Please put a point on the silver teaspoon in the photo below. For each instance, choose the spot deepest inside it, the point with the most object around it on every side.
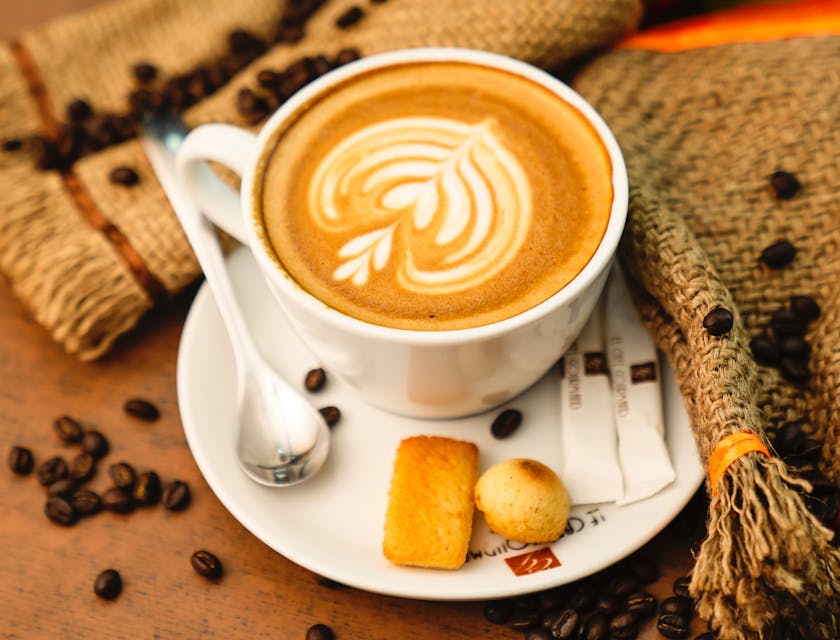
(281, 439)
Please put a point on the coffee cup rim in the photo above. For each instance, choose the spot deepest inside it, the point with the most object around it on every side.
(597, 264)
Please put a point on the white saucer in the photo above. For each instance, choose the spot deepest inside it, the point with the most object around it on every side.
(333, 523)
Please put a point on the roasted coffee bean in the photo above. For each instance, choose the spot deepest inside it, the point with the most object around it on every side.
(805, 307)
(506, 423)
(124, 176)
(319, 632)
(524, 620)
(597, 627)
(785, 322)
(624, 625)
(241, 41)
(147, 489)
(718, 321)
(346, 56)
(644, 569)
(784, 184)
(269, 79)
(315, 380)
(96, 444)
(764, 350)
(643, 604)
(206, 564)
(52, 470)
(565, 624)
(607, 603)
(78, 110)
(108, 584)
(63, 488)
(623, 585)
(82, 467)
(779, 254)
(349, 17)
(583, 597)
(331, 415)
(498, 611)
(60, 511)
(12, 144)
(68, 429)
(145, 72)
(86, 502)
(551, 598)
(176, 495)
(20, 460)
(538, 634)
(45, 154)
(795, 369)
(681, 587)
(122, 475)
(677, 605)
(142, 409)
(117, 500)
(795, 347)
(672, 625)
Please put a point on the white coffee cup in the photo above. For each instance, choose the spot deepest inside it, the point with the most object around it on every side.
(424, 374)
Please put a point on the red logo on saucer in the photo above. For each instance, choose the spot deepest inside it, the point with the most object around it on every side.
(533, 562)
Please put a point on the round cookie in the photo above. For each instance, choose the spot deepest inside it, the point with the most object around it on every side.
(523, 500)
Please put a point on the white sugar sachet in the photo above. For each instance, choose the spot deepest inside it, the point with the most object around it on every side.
(591, 471)
(637, 396)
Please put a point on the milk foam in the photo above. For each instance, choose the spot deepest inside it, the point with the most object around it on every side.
(460, 199)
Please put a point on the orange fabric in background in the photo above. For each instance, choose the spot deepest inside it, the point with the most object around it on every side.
(750, 23)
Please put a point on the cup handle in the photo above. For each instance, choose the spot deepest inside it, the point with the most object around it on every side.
(231, 146)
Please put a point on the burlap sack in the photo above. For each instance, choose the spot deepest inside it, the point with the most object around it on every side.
(88, 257)
(702, 131)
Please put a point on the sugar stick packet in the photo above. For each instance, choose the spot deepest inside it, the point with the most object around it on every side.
(590, 471)
(637, 396)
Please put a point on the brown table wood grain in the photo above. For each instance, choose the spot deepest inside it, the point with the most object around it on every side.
(47, 571)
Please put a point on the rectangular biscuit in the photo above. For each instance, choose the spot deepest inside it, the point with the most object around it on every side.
(430, 503)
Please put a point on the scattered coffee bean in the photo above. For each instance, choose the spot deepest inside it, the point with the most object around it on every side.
(672, 625)
(68, 429)
(565, 624)
(78, 110)
(677, 605)
(779, 254)
(82, 467)
(142, 409)
(795, 347)
(583, 597)
(805, 307)
(176, 495)
(122, 475)
(96, 444)
(315, 380)
(108, 584)
(551, 599)
(764, 350)
(206, 564)
(147, 489)
(785, 322)
(597, 627)
(20, 460)
(623, 585)
(538, 634)
(641, 603)
(785, 184)
(795, 369)
(718, 321)
(624, 625)
(331, 415)
(63, 488)
(52, 470)
(506, 423)
(645, 570)
(124, 176)
(86, 502)
(346, 56)
(498, 611)
(60, 511)
(319, 632)
(607, 603)
(524, 620)
(117, 500)
(12, 144)
(144, 72)
(682, 587)
(349, 17)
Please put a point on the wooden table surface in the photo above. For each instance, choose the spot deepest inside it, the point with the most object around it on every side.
(47, 571)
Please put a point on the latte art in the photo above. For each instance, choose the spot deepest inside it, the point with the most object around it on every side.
(453, 180)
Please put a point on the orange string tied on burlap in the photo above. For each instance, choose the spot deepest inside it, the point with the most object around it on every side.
(728, 450)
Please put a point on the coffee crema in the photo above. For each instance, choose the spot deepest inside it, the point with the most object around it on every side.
(434, 195)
